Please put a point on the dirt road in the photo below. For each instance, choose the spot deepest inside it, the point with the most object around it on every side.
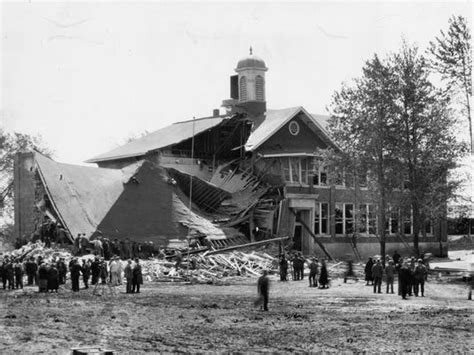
(197, 318)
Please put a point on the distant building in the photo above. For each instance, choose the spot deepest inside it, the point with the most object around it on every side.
(257, 172)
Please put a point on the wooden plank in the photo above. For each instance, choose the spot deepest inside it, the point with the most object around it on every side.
(263, 242)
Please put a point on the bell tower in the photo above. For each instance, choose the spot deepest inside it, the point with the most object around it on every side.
(248, 86)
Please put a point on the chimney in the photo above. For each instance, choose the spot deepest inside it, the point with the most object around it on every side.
(215, 112)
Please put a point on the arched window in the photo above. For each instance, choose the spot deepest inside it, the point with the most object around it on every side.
(243, 88)
(260, 88)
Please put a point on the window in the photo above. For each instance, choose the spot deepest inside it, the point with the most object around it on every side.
(348, 218)
(391, 224)
(321, 218)
(294, 128)
(363, 219)
(243, 88)
(407, 223)
(339, 218)
(428, 227)
(372, 221)
(295, 169)
(318, 171)
(260, 88)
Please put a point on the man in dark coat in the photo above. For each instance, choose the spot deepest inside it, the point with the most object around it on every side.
(404, 275)
(10, 274)
(128, 271)
(103, 271)
(420, 274)
(75, 274)
(377, 273)
(313, 273)
(95, 270)
(368, 272)
(53, 278)
(324, 277)
(137, 277)
(3, 275)
(86, 272)
(62, 271)
(396, 257)
(263, 288)
(18, 271)
(31, 268)
(283, 268)
(43, 277)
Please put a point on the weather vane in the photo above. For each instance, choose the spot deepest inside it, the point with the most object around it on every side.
(250, 50)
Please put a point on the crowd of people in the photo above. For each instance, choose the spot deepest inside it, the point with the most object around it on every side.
(412, 273)
(49, 276)
(296, 263)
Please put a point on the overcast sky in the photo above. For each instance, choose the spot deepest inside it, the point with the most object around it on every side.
(88, 75)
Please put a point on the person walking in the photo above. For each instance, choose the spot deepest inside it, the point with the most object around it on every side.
(263, 288)
(377, 273)
(283, 268)
(137, 277)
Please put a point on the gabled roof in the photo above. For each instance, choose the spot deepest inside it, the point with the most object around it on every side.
(276, 119)
(161, 138)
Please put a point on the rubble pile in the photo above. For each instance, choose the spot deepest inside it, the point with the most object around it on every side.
(38, 249)
(209, 268)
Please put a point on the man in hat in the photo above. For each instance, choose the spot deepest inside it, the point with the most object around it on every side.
(95, 270)
(75, 274)
(263, 288)
(283, 267)
(420, 274)
(129, 275)
(137, 277)
(313, 272)
(86, 272)
(377, 272)
(31, 268)
(404, 276)
(390, 273)
(62, 271)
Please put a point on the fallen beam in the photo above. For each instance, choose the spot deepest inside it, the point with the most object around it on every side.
(262, 242)
(316, 239)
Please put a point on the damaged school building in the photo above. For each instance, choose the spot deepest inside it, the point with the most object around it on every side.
(250, 174)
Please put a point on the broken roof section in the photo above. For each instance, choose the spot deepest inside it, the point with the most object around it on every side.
(161, 138)
(275, 119)
(137, 202)
(81, 195)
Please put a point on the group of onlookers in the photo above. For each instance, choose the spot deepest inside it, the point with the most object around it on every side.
(298, 263)
(412, 274)
(48, 276)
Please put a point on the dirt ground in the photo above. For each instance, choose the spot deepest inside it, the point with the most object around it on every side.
(177, 317)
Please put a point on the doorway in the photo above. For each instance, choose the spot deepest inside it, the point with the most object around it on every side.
(298, 237)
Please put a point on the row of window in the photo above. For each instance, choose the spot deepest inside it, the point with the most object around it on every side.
(344, 218)
(310, 170)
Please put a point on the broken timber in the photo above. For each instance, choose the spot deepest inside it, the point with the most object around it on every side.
(263, 242)
(316, 239)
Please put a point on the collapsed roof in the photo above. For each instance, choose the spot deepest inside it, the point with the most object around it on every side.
(137, 202)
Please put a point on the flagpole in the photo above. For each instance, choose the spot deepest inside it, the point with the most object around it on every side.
(192, 165)
(191, 190)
